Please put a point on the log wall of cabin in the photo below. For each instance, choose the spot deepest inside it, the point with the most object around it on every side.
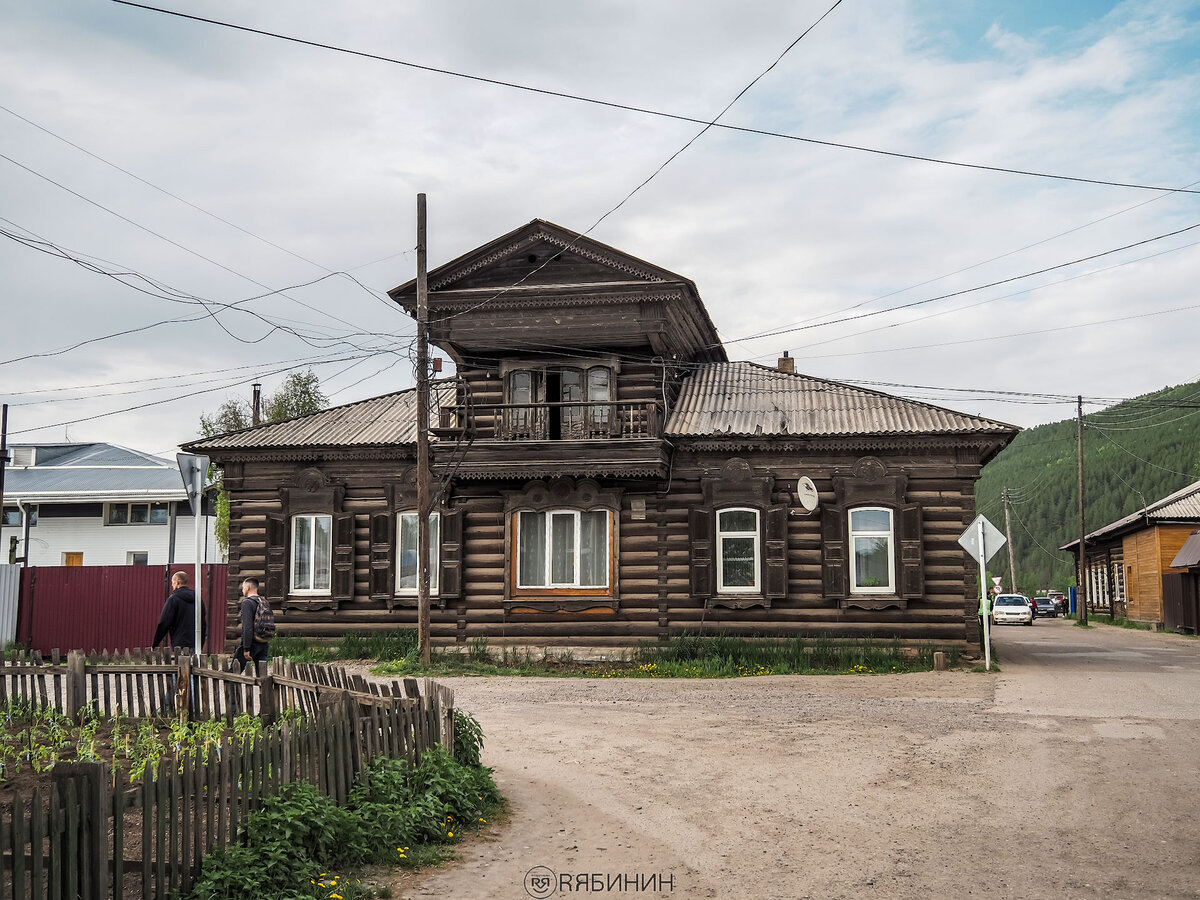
(655, 599)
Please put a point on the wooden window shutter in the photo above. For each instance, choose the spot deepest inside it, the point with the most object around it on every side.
(776, 581)
(383, 574)
(833, 552)
(700, 526)
(343, 556)
(278, 537)
(450, 555)
(912, 554)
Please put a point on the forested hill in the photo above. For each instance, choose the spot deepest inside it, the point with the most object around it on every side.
(1134, 453)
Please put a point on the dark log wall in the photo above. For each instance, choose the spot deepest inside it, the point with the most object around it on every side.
(654, 555)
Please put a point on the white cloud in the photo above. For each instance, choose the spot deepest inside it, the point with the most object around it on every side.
(323, 153)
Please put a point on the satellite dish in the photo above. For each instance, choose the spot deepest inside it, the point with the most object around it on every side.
(806, 493)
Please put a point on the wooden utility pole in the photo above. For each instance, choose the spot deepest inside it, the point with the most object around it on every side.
(424, 479)
(1081, 608)
(1012, 557)
(3, 450)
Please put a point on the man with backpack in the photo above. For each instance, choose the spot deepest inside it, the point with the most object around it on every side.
(258, 627)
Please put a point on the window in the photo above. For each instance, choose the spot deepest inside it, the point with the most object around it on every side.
(137, 558)
(559, 403)
(312, 553)
(563, 549)
(406, 563)
(871, 555)
(737, 551)
(12, 515)
(137, 514)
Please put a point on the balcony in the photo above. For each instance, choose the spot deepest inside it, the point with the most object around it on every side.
(606, 420)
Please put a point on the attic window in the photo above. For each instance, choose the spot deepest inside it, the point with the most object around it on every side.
(531, 258)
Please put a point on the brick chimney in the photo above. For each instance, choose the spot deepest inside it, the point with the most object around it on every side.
(787, 364)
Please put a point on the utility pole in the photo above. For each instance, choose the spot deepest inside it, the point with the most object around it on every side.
(1012, 557)
(3, 451)
(423, 474)
(1081, 599)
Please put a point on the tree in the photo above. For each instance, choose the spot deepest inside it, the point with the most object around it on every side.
(299, 395)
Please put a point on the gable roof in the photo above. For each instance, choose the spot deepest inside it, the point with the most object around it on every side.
(1181, 506)
(93, 472)
(743, 399)
(445, 276)
(387, 420)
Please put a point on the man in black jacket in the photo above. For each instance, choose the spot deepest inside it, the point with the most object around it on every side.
(178, 618)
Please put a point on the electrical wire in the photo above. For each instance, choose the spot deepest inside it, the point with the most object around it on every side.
(650, 112)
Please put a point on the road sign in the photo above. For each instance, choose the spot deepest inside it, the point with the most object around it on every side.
(993, 538)
(194, 469)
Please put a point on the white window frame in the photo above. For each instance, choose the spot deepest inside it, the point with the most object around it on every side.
(548, 516)
(435, 551)
(890, 534)
(756, 541)
(150, 510)
(131, 557)
(23, 512)
(312, 567)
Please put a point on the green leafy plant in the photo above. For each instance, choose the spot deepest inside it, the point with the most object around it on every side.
(468, 738)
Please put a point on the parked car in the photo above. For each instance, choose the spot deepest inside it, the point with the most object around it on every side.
(1060, 600)
(1044, 606)
(1010, 608)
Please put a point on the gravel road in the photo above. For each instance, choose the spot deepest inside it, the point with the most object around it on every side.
(1073, 772)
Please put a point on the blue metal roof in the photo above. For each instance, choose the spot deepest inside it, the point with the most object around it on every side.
(72, 473)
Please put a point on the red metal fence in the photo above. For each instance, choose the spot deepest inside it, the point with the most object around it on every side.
(96, 608)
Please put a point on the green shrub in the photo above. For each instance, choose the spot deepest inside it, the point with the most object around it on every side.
(468, 738)
(237, 871)
(308, 823)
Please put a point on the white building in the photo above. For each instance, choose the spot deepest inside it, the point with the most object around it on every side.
(97, 505)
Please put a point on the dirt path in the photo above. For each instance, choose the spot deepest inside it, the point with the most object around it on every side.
(936, 784)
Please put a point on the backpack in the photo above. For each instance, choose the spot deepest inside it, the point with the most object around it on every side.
(264, 621)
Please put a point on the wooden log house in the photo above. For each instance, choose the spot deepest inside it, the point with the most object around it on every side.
(607, 476)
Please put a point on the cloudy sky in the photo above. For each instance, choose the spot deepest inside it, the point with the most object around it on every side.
(154, 170)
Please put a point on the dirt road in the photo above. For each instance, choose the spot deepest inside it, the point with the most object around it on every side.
(1075, 772)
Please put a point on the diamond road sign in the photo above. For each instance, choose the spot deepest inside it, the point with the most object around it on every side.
(993, 540)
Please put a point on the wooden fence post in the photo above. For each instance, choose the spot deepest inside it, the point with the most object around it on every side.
(266, 695)
(90, 791)
(76, 685)
(183, 688)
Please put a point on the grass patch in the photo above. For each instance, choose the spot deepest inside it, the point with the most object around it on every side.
(1121, 622)
(688, 656)
(390, 645)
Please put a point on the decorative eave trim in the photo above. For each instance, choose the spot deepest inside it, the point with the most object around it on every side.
(816, 443)
(404, 452)
(496, 473)
(592, 297)
(533, 237)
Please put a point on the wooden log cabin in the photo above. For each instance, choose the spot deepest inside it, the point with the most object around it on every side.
(607, 476)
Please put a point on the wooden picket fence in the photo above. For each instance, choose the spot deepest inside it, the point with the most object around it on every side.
(93, 835)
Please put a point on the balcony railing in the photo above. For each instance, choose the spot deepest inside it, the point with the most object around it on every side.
(595, 421)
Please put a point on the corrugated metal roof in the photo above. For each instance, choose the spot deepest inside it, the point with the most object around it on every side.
(95, 472)
(741, 399)
(1189, 553)
(1183, 505)
(389, 419)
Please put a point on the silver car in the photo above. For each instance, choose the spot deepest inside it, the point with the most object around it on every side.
(1012, 608)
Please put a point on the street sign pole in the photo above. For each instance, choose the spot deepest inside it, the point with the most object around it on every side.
(982, 540)
(198, 475)
(194, 469)
(983, 600)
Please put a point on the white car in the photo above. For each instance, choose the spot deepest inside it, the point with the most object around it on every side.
(1009, 608)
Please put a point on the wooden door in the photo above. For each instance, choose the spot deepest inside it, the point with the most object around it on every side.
(72, 559)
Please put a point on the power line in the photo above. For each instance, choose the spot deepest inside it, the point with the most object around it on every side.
(970, 290)
(184, 248)
(650, 112)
